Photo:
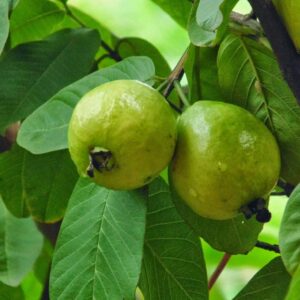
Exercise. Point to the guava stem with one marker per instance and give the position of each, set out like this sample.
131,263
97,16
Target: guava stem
221,266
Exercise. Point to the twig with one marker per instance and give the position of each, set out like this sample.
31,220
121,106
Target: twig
222,264
180,93
113,54
282,45
266,246
288,188
176,74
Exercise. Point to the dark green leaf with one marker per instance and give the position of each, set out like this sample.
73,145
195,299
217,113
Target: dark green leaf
271,282
99,250
11,293
233,236
179,10
293,292
12,181
33,20
135,46
4,22
202,74
32,73
46,129
173,265
20,245
289,238
249,76
48,180
209,20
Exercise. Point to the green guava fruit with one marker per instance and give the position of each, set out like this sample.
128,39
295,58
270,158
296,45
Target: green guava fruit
225,158
289,11
122,134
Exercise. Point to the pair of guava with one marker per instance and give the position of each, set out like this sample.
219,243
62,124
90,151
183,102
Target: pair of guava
123,133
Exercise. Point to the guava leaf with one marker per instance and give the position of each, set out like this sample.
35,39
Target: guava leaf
289,239
4,23
249,76
12,181
39,185
271,282
99,250
293,291
20,245
173,266
202,74
11,293
179,10
48,180
234,236
32,73
33,20
46,129
135,46
208,21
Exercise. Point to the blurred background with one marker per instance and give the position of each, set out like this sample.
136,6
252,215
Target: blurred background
144,19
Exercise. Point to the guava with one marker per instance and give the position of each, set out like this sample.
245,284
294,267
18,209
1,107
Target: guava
225,158
122,134
289,11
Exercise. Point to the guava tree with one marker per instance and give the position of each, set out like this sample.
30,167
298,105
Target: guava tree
63,236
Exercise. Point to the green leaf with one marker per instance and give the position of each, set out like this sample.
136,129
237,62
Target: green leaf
135,46
289,239
46,129
20,245
249,76
293,291
208,21
271,282
49,180
173,265
12,181
4,23
179,10
11,293
234,236
98,254
32,73
33,20
39,184
202,74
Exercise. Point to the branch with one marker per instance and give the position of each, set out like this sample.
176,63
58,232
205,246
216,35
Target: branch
266,246
222,264
113,54
283,47
176,74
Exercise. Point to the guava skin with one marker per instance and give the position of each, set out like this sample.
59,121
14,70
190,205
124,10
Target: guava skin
289,11
132,121
224,158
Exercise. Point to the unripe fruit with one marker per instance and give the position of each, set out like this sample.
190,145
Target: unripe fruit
224,159
122,134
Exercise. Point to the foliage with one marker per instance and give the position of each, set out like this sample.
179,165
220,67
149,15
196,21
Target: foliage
145,243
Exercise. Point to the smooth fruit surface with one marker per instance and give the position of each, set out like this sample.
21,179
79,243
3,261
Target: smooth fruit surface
128,128
289,10
224,159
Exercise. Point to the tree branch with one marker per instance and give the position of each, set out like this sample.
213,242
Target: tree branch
283,47
266,246
222,264
176,74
